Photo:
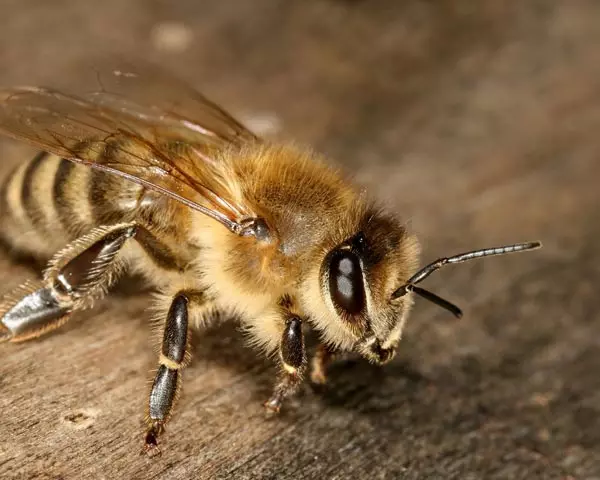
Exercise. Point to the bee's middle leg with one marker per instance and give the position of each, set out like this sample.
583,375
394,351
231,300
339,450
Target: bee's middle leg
76,275
293,364
174,356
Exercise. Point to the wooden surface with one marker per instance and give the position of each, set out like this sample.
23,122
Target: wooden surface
479,122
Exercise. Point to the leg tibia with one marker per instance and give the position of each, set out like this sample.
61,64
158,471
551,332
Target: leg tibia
175,336
292,345
85,268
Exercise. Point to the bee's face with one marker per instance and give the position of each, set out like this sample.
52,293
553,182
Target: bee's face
357,279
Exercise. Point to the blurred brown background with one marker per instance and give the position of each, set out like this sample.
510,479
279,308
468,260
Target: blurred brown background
477,121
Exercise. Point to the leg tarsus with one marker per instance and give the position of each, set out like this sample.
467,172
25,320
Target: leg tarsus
288,385
32,310
151,447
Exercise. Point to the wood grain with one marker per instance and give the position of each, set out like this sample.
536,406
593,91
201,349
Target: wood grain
477,121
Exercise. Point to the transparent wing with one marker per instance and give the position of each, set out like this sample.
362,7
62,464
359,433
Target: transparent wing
168,144
155,96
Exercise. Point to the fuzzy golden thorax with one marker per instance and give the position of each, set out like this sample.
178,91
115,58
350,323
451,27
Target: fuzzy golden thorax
310,210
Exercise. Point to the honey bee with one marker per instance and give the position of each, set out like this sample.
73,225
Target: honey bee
146,175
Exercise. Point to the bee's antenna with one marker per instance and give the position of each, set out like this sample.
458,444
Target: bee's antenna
432,297
410,285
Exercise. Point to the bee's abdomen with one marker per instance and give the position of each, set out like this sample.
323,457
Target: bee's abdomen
48,202
44,204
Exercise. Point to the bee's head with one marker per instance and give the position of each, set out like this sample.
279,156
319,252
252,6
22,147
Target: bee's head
366,282
359,271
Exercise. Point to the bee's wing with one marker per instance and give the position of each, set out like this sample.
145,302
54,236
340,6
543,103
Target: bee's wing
152,144
160,98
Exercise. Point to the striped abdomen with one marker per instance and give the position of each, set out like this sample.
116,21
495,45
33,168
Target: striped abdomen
49,201
34,220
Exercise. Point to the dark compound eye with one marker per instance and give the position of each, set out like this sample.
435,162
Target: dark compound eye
346,285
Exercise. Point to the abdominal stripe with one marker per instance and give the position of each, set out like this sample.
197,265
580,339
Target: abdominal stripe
28,198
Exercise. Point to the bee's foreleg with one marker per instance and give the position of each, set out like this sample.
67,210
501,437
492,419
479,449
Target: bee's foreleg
172,359
323,357
293,363
75,276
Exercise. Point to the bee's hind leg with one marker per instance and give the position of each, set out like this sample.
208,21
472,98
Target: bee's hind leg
75,277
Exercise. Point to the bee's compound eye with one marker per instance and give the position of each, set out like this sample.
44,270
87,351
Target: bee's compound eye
346,285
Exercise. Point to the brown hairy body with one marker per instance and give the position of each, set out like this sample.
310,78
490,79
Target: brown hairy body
50,202
148,176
